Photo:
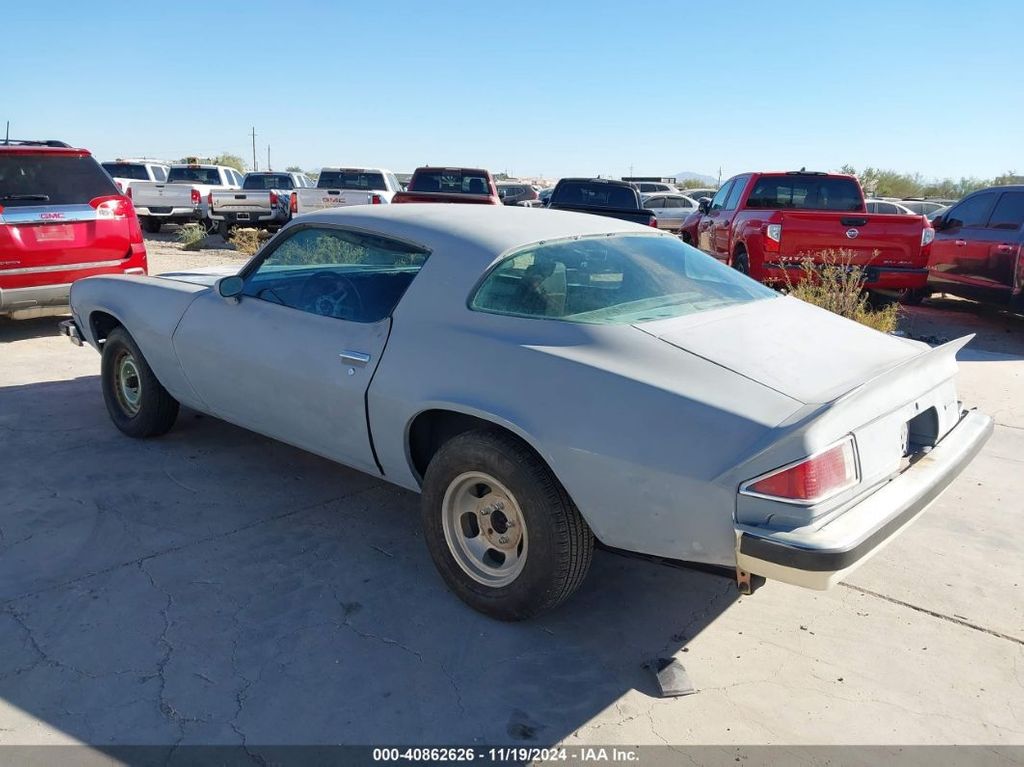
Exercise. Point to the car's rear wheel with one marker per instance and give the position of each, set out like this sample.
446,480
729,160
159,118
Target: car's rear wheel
501,529
741,261
151,225
138,404
913,297
224,230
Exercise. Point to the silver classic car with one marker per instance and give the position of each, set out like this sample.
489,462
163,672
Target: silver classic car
546,380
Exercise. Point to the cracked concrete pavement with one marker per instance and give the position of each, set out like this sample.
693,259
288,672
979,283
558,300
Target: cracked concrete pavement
217,587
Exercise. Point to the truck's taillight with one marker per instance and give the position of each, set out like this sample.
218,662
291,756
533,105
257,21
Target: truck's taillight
811,480
120,186
209,200
196,197
112,206
375,199
653,222
927,235
273,199
129,193
772,238
293,206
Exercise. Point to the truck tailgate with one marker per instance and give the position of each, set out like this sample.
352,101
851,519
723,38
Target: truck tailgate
237,201
150,194
878,239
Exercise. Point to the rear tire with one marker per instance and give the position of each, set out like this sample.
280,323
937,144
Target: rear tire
137,403
501,529
151,225
224,230
913,297
741,261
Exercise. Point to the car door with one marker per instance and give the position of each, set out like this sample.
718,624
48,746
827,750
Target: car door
656,204
705,228
293,356
723,222
676,210
959,251
998,243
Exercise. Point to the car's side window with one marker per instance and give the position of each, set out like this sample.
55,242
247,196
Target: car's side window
655,202
718,201
336,273
737,191
971,212
1009,212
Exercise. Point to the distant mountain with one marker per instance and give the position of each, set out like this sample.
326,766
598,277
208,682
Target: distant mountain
689,175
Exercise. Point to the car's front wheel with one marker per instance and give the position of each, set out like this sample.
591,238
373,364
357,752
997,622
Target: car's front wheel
501,529
138,404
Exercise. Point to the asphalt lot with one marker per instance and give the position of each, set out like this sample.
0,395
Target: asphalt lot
214,586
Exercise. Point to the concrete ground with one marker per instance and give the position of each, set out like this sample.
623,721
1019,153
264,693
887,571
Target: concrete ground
214,586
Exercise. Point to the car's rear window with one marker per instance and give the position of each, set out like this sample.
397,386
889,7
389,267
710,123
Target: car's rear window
450,181
809,192
209,176
269,181
356,180
58,179
594,195
133,170
620,279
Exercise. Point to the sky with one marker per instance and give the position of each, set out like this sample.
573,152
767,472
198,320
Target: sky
552,88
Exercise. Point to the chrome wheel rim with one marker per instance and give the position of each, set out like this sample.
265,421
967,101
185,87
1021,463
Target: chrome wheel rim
484,529
127,384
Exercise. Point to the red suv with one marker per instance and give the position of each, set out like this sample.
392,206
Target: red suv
61,218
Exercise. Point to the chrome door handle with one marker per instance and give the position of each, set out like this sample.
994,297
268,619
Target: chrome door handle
960,243
355,358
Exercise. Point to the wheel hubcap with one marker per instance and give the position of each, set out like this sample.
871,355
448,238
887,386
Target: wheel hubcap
484,529
128,384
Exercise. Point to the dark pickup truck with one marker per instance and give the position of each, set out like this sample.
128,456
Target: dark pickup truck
471,186
602,197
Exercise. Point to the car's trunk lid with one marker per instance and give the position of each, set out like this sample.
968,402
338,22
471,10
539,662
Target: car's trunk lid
804,352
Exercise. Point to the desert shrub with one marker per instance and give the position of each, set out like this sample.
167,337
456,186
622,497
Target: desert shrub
191,236
832,282
246,241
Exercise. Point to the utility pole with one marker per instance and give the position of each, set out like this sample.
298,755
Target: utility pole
255,165
268,157
719,176
7,138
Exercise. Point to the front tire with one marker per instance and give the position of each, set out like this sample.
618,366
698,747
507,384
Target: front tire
137,403
501,529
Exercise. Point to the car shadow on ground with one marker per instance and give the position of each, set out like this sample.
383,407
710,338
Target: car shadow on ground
23,330
214,586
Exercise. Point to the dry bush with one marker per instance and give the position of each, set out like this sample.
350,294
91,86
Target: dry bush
246,241
191,236
832,282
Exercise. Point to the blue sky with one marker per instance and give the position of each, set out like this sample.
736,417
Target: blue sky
551,88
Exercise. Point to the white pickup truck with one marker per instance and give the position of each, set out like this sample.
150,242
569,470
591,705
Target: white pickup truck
263,202
337,187
183,197
126,172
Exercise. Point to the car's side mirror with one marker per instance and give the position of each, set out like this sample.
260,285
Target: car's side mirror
230,287
704,204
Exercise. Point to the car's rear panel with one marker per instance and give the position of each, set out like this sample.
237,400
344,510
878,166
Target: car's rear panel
61,219
873,239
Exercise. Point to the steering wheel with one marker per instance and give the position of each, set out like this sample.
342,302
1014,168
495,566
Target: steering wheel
330,294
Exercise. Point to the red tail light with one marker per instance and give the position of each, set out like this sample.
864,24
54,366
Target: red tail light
375,199
112,206
129,193
653,222
811,480
273,199
772,238
293,205
196,197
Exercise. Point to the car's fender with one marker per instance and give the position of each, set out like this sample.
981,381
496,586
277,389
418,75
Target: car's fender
149,308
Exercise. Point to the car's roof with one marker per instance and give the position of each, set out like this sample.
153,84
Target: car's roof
487,229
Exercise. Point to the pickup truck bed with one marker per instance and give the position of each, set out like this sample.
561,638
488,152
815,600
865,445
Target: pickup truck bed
602,197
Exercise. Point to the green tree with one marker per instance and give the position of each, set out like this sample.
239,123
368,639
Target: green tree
293,169
231,160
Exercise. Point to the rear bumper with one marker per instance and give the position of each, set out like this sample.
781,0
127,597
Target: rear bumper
39,296
875,277
250,218
819,556
169,213
70,329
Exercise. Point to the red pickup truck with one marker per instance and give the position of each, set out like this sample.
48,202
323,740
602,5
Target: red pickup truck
61,218
766,224
460,185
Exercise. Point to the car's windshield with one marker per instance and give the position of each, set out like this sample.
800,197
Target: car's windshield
355,180
54,179
620,279
209,176
132,170
450,181
806,192
268,181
